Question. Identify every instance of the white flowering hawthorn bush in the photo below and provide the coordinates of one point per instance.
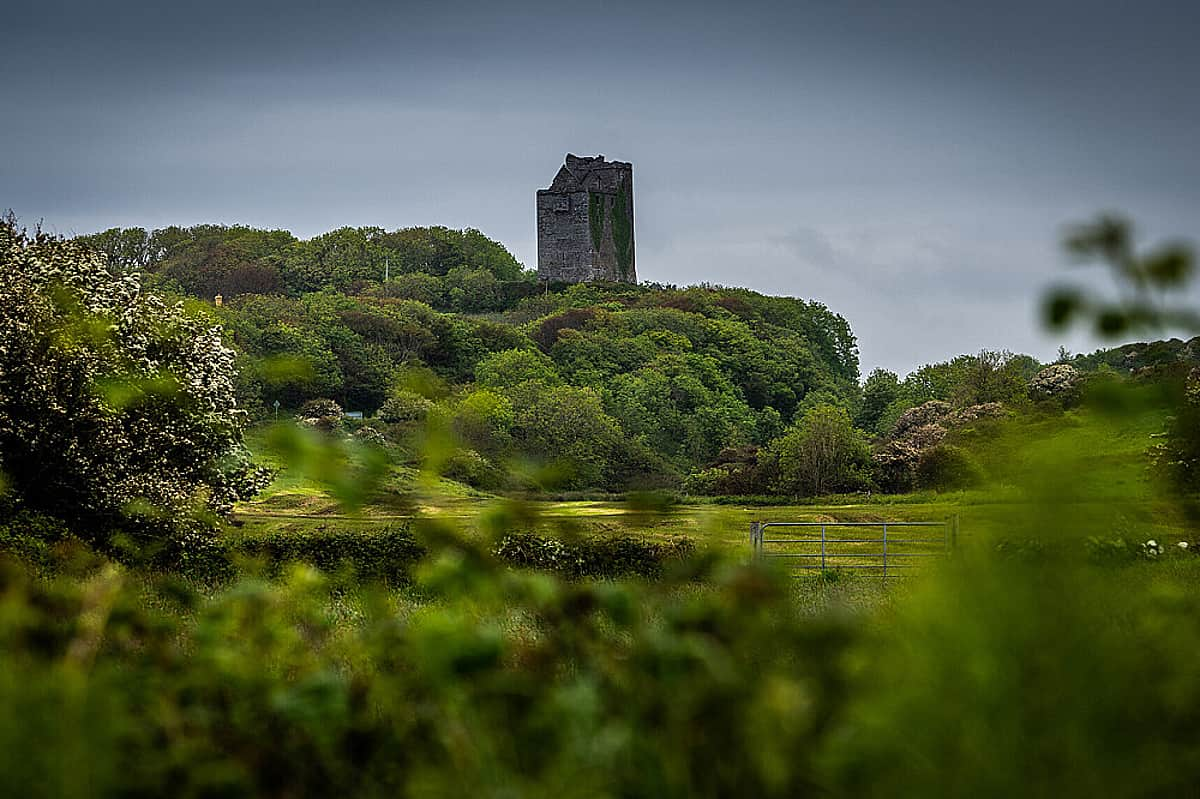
(1059, 382)
(117, 409)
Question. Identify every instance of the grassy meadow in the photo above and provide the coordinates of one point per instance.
(1094, 462)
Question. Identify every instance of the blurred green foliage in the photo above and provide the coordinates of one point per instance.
(1146, 285)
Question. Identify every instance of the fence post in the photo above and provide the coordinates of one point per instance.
(954, 531)
(755, 540)
(822, 547)
(885, 549)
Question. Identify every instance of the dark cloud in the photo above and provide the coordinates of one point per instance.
(909, 164)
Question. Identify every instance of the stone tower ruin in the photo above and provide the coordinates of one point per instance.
(585, 223)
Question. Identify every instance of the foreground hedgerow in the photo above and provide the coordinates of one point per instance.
(1006, 677)
(506, 683)
(384, 555)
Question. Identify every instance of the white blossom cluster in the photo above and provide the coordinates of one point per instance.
(1056, 381)
(113, 403)
(920, 430)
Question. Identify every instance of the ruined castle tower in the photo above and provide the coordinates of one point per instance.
(585, 222)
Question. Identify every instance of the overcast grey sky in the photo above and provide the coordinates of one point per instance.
(909, 164)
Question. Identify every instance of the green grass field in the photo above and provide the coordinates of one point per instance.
(1090, 465)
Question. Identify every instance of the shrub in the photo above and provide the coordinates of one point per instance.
(821, 453)
(320, 408)
(369, 435)
(947, 467)
(1177, 455)
(384, 555)
(483, 420)
(1059, 383)
(418, 286)
(468, 466)
(567, 427)
(117, 409)
(527, 684)
(545, 333)
(925, 414)
(322, 414)
(973, 414)
(512, 367)
(741, 471)
(895, 463)
(405, 406)
(604, 558)
(710, 481)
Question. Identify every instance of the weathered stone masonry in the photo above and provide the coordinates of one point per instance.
(585, 223)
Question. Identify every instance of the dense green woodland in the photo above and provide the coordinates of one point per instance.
(632, 385)
(718, 390)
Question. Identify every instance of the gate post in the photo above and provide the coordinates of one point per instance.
(755, 541)
(885, 549)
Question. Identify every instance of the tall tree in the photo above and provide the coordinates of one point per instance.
(822, 453)
(879, 391)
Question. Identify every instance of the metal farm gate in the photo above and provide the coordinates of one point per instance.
(899, 547)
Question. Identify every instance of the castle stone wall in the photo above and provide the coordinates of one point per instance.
(585, 223)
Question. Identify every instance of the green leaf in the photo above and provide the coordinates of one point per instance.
(1170, 267)
(1061, 305)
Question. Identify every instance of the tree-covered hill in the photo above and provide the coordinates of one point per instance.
(713, 389)
(635, 385)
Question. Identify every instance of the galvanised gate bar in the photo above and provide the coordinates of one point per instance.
(899, 547)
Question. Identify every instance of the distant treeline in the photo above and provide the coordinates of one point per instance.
(460, 269)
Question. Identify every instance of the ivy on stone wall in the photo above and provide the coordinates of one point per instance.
(596, 218)
(622, 228)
